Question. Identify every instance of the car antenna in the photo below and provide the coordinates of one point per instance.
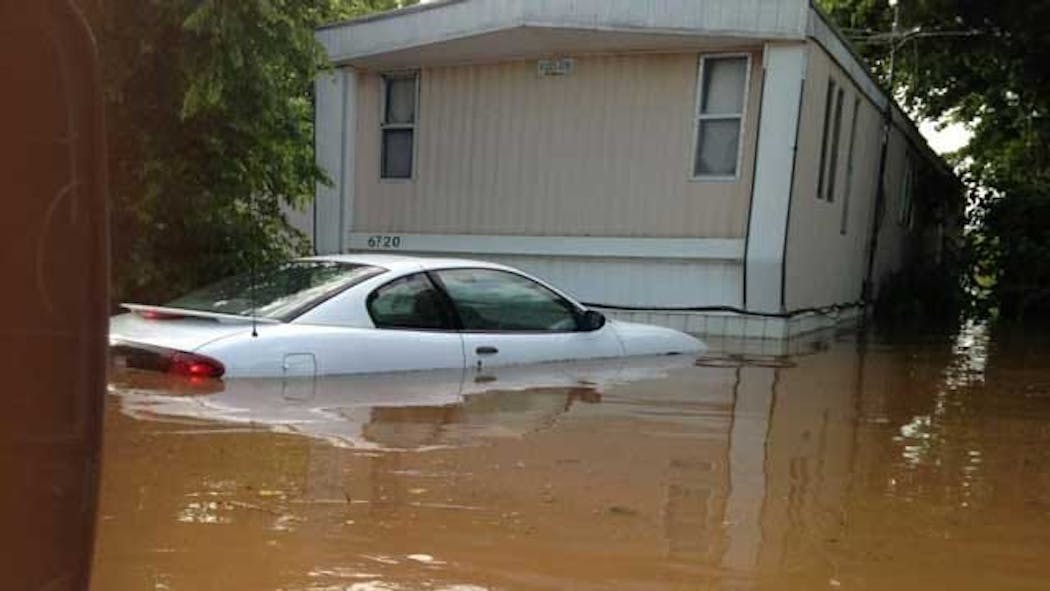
(251, 297)
(251, 270)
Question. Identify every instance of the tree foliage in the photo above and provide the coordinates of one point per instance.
(983, 64)
(210, 124)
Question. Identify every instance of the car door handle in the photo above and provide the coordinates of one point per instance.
(486, 350)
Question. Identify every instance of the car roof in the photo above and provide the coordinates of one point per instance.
(398, 262)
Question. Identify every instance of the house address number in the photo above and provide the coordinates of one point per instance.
(384, 241)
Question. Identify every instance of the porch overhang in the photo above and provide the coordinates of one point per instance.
(475, 31)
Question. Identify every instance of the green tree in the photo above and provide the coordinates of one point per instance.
(210, 123)
(983, 64)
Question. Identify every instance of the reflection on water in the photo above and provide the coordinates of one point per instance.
(413, 410)
(859, 465)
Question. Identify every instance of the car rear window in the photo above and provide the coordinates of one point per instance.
(282, 292)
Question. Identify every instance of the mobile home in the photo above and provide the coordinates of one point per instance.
(711, 165)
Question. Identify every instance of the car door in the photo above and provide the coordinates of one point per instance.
(510, 319)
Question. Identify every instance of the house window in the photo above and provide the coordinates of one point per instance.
(824, 138)
(836, 134)
(904, 211)
(721, 96)
(400, 93)
(829, 149)
(849, 166)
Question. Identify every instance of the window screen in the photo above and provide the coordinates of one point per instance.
(720, 113)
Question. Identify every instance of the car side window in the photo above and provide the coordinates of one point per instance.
(409, 302)
(492, 300)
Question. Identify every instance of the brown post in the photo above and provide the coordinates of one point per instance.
(53, 294)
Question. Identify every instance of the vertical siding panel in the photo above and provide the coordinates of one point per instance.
(366, 208)
(768, 15)
(467, 208)
(427, 135)
(605, 156)
(451, 155)
(645, 208)
(612, 101)
(749, 14)
(441, 178)
(431, 133)
(456, 156)
(713, 14)
(492, 136)
(653, 184)
(444, 177)
(514, 179)
(673, 152)
(732, 15)
(476, 210)
(532, 138)
(434, 128)
(555, 110)
(634, 137)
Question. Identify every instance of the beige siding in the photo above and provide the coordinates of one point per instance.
(824, 266)
(606, 151)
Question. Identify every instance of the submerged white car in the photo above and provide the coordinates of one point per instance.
(351, 314)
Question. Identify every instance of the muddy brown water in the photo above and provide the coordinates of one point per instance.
(842, 466)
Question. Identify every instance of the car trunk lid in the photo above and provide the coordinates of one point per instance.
(176, 328)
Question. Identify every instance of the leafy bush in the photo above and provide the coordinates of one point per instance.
(210, 128)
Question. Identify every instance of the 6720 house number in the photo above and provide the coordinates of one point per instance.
(384, 241)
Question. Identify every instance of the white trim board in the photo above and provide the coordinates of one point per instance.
(334, 142)
(575, 246)
(785, 69)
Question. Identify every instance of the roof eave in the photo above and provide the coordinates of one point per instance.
(454, 19)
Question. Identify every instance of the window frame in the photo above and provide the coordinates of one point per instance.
(829, 99)
(576, 310)
(452, 322)
(851, 168)
(384, 78)
(836, 145)
(698, 116)
(906, 196)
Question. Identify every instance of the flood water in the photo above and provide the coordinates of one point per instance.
(846, 465)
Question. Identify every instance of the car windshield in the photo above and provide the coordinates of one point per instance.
(281, 292)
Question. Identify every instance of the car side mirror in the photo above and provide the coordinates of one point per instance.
(591, 321)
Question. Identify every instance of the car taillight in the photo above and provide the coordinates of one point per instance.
(131, 355)
(155, 315)
(191, 364)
